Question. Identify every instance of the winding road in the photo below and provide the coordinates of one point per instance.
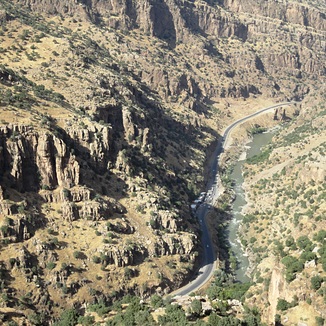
(207, 268)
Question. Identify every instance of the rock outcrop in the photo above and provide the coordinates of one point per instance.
(175, 22)
(30, 160)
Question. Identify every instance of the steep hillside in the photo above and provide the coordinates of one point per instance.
(285, 228)
(109, 113)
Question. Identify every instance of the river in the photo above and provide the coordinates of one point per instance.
(253, 148)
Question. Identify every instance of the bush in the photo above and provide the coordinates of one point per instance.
(50, 265)
(277, 319)
(316, 282)
(174, 315)
(4, 230)
(37, 319)
(263, 156)
(282, 305)
(304, 242)
(78, 255)
(129, 273)
(54, 241)
(320, 321)
(196, 307)
(257, 130)
(68, 318)
(86, 320)
(156, 301)
(293, 265)
(96, 259)
(100, 308)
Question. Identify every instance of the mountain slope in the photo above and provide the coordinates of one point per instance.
(284, 229)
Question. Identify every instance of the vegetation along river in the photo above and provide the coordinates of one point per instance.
(254, 147)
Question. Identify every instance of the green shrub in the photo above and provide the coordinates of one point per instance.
(78, 255)
(196, 307)
(51, 265)
(68, 318)
(282, 305)
(320, 321)
(304, 242)
(100, 308)
(174, 315)
(86, 320)
(156, 301)
(293, 265)
(96, 259)
(316, 282)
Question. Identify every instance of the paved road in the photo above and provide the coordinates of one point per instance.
(208, 260)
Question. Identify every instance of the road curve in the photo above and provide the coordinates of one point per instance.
(208, 260)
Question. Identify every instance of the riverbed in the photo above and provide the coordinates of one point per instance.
(252, 148)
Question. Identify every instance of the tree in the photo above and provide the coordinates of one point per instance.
(316, 282)
(278, 319)
(174, 315)
(79, 255)
(289, 242)
(100, 308)
(307, 256)
(320, 236)
(228, 321)
(304, 242)
(282, 305)
(128, 272)
(320, 321)
(199, 322)
(86, 320)
(252, 317)
(68, 318)
(293, 265)
(144, 317)
(196, 307)
(213, 319)
(37, 319)
(156, 301)
(323, 261)
(96, 259)
(135, 314)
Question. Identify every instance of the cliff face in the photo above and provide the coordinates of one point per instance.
(153, 16)
(47, 183)
(31, 161)
(297, 28)
(288, 12)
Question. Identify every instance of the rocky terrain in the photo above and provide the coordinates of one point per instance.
(284, 228)
(109, 113)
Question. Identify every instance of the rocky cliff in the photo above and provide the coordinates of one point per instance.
(272, 41)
